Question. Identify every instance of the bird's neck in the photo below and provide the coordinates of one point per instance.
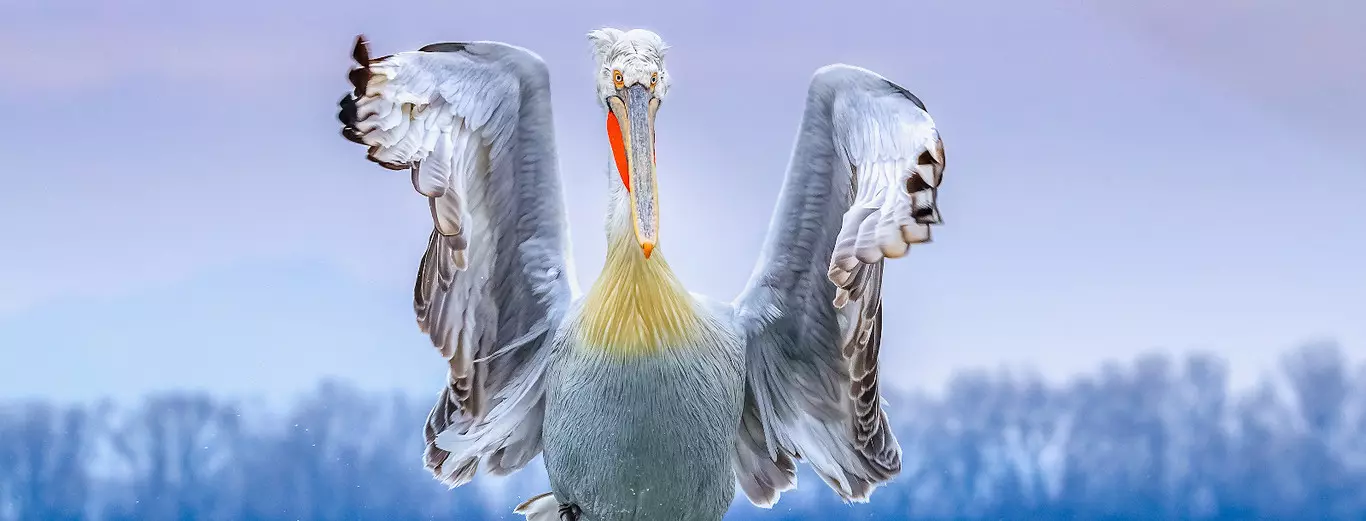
(637, 305)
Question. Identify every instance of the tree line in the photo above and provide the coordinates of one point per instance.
(1157, 437)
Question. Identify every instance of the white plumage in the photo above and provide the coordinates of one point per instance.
(788, 371)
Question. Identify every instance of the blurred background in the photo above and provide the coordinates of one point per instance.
(1148, 300)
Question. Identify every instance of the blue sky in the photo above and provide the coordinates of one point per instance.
(178, 210)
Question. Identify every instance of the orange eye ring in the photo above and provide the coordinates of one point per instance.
(654, 78)
(617, 79)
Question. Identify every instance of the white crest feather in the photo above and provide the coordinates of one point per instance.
(637, 54)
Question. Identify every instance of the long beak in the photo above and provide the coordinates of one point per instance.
(634, 108)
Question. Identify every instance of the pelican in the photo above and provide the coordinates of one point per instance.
(647, 402)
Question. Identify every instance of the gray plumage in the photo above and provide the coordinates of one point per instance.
(643, 438)
(786, 372)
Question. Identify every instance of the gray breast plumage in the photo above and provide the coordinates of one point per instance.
(644, 437)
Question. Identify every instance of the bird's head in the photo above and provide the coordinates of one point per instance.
(629, 58)
(631, 83)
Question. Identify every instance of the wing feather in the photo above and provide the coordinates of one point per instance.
(472, 124)
(858, 191)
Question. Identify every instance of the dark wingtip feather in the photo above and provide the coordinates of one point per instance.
(348, 117)
(360, 76)
(361, 52)
(444, 47)
(351, 135)
(360, 81)
(907, 94)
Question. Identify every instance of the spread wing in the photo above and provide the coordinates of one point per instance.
(861, 188)
(472, 123)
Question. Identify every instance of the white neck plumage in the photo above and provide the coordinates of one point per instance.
(637, 305)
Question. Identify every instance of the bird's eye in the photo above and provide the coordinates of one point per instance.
(616, 78)
(654, 78)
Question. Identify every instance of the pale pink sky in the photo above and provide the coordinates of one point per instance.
(179, 211)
